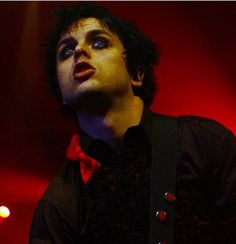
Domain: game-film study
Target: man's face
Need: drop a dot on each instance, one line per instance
(91, 59)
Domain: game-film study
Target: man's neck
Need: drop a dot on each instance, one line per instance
(109, 123)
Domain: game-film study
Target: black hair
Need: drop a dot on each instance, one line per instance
(141, 52)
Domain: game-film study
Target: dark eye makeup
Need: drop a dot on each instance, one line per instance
(66, 52)
(68, 46)
(99, 43)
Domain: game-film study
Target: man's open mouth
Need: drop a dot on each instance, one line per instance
(83, 71)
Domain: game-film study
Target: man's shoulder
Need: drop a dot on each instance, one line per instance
(203, 125)
(61, 196)
(198, 126)
(62, 186)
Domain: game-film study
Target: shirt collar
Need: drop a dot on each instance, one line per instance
(141, 132)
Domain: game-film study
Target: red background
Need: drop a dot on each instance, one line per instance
(197, 75)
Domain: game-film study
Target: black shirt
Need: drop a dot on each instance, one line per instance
(114, 206)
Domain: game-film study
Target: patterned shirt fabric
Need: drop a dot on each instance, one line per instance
(114, 206)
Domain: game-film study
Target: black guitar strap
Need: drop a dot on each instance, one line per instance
(163, 171)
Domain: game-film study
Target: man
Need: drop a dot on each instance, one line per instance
(100, 70)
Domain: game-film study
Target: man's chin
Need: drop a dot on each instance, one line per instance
(89, 100)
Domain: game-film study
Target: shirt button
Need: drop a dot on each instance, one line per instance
(161, 216)
(170, 197)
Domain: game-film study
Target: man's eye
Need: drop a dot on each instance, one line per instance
(66, 52)
(100, 43)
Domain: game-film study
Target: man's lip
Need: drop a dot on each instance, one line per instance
(83, 75)
(83, 71)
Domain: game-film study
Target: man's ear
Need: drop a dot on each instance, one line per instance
(137, 78)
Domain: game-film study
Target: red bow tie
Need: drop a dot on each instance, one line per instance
(87, 164)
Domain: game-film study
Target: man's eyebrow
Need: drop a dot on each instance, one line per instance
(97, 32)
(65, 40)
(89, 35)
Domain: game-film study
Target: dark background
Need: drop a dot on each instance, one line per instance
(197, 75)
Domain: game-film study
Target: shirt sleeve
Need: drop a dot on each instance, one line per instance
(207, 181)
(49, 226)
(58, 218)
(225, 174)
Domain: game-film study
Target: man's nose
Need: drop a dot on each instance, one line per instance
(81, 50)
